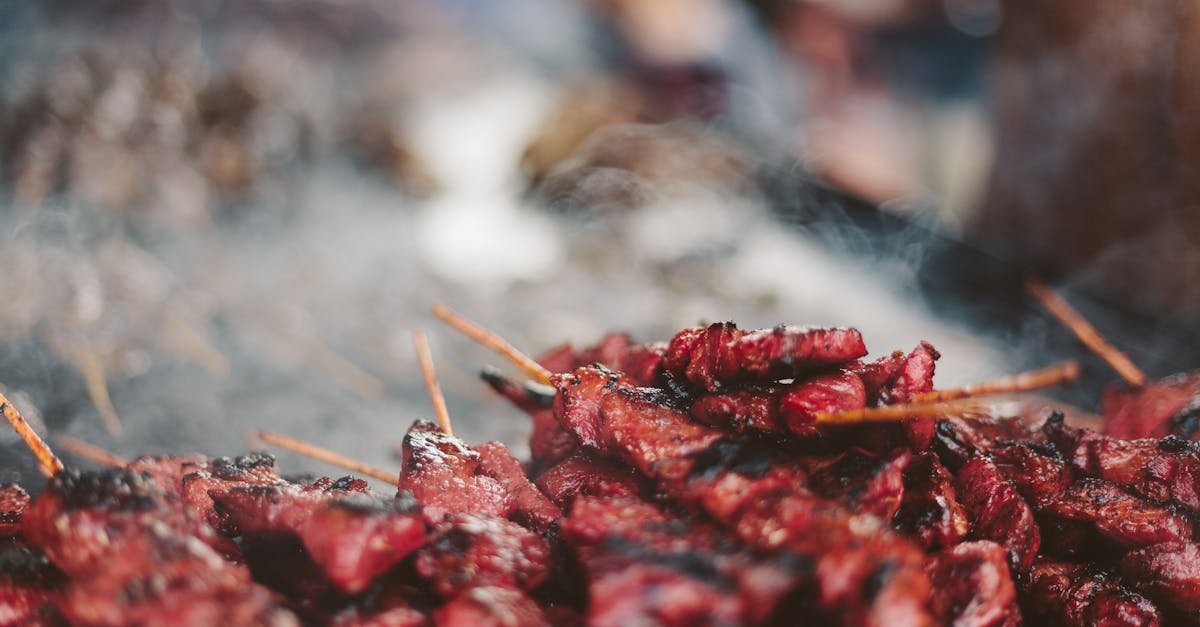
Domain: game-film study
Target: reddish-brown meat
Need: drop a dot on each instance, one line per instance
(27, 582)
(646, 567)
(473, 551)
(929, 509)
(779, 408)
(441, 472)
(997, 512)
(1038, 477)
(530, 507)
(973, 586)
(1093, 515)
(1168, 573)
(585, 474)
(13, 501)
(1165, 407)
(1058, 593)
(861, 481)
(491, 607)
(200, 476)
(720, 354)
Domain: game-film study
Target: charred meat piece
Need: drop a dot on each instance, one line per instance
(1165, 407)
(467, 552)
(710, 358)
(200, 476)
(1037, 476)
(491, 607)
(13, 501)
(350, 535)
(1168, 573)
(610, 415)
(442, 473)
(915, 378)
(1058, 593)
(646, 567)
(642, 363)
(998, 512)
(1166, 470)
(789, 409)
(1095, 515)
(27, 582)
(973, 586)
(929, 510)
(585, 474)
(549, 443)
(530, 506)
(861, 481)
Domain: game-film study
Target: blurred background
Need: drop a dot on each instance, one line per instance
(223, 215)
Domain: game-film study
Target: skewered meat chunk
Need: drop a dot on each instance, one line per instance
(1059, 593)
(585, 474)
(929, 509)
(1169, 406)
(780, 408)
(646, 567)
(13, 501)
(491, 606)
(997, 512)
(1166, 470)
(441, 473)
(1093, 514)
(467, 552)
(861, 481)
(27, 582)
(973, 586)
(530, 506)
(1168, 573)
(200, 477)
(1038, 477)
(711, 357)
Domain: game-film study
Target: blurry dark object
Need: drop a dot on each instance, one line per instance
(1098, 148)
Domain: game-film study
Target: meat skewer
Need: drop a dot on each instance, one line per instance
(50, 463)
(329, 457)
(1073, 320)
(89, 451)
(425, 357)
(494, 342)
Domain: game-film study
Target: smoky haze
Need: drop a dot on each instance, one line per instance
(232, 215)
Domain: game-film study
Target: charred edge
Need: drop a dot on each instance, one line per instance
(678, 391)
(698, 564)
(374, 505)
(648, 395)
(742, 455)
(117, 488)
(346, 483)
(29, 567)
(1175, 444)
(1187, 422)
(232, 468)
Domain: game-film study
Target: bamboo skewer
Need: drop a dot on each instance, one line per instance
(425, 357)
(89, 451)
(96, 381)
(50, 463)
(1023, 382)
(892, 413)
(327, 456)
(1073, 320)
(494, 342)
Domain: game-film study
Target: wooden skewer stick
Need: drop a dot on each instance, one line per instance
(50, 463)
(1024, 382)
(425, 356)
(892, 413)
(96, 382)
(1073, 320)
(327, 456)
(494, 342)
(89, 451)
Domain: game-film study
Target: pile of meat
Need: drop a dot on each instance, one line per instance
(687, 483)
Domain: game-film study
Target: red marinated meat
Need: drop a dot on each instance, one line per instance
(780, 408)
(1058, 593)
(861, 481)
(803, 401)
(750, 408)
(1166, 470)
(1093, 515)
(27, 582)
(13, 501)
(474, 551)
(491, 607)
(549, 443)
(914, 378)
(1165, 407)
(647, 567)
(712, 357)
(392, 617)
(351, 536)
(1168, 573)
(530, 507)
(929, 510)
(441, 472)
(1038, 477)
(200, 476)
(642, 363)
(613, 417)
(972, 586)
(585, 474)
(998, 512)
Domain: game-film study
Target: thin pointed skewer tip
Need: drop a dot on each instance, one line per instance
(492, 341)
(429, 373)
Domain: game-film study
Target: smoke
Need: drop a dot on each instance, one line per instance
(238, 221)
